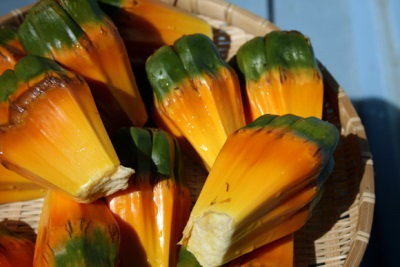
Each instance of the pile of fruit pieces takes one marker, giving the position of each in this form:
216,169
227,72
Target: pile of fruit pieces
102,104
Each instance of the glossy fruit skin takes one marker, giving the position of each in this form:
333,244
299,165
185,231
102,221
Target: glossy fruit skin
263,186
10,48
196,93
279,75
147,25
15,250
81,37
54,135
153,210
76,234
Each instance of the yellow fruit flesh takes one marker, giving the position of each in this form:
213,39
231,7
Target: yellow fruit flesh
277,205
149,217
206,110
9,56
281,92
112,59
14,188
168,22
146,25
136,231
101,58
60,143
64,222
278,253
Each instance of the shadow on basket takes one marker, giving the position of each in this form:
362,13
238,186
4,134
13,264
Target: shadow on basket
333,221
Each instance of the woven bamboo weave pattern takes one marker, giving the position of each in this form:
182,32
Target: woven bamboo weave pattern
338,231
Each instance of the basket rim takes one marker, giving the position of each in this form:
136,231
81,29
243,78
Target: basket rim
236,16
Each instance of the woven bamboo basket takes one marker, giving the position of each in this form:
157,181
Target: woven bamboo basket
338,231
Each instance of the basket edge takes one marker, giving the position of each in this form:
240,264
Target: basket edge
238,17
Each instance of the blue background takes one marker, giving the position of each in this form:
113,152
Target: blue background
359,42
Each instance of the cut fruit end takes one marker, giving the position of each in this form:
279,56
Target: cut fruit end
210,237
105,186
